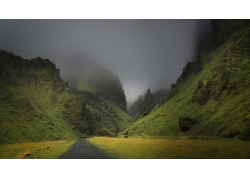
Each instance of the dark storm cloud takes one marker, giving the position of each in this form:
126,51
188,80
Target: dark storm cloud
143,53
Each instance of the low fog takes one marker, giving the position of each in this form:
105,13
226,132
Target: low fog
142,53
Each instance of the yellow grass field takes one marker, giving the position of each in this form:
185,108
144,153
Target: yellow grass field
45,149
181,148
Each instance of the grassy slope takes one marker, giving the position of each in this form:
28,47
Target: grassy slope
82,86
145,103
109,119
43,149
178,148
228,116
51,152
35,104
37,120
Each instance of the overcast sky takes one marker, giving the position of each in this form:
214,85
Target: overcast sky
143,53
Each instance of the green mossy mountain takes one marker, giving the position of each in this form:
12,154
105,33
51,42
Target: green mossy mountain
36,104
91,76
109,118
104,94
145,103
211,97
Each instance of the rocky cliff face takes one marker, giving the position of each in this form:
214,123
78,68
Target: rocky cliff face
110,88
224,28
145,103
105,101
211,97
104,95
36,104
106,82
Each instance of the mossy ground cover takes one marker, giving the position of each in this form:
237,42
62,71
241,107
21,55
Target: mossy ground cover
108,117
35,116
36,150
172,148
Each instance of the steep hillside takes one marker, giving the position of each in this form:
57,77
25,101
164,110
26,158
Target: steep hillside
104,94
145,103
211,97
86,73
108,117
36,104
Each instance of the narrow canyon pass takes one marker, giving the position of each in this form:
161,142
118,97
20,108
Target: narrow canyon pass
209,103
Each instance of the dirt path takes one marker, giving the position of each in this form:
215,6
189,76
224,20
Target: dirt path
83,150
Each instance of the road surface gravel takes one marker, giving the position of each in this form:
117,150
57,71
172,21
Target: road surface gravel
84,150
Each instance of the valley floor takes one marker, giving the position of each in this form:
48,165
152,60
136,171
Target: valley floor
172,148
35,150
131,148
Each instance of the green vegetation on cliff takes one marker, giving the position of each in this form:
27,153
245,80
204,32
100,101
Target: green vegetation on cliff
145,103
36,104
211,97
87,75
105,97
107,117
82,86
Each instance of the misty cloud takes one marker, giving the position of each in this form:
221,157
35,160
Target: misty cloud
142,53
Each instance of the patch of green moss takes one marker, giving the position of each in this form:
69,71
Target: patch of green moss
82,86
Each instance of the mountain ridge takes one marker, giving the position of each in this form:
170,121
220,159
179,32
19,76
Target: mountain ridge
145,103
36,104
210,98
104,94
107,83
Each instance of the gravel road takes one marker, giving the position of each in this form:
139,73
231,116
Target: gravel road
84,150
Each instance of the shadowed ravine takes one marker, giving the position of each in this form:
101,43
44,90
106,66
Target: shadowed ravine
83,150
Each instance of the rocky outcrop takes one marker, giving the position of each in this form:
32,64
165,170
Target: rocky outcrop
106,82
185,123
202,93
144,104
112,90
